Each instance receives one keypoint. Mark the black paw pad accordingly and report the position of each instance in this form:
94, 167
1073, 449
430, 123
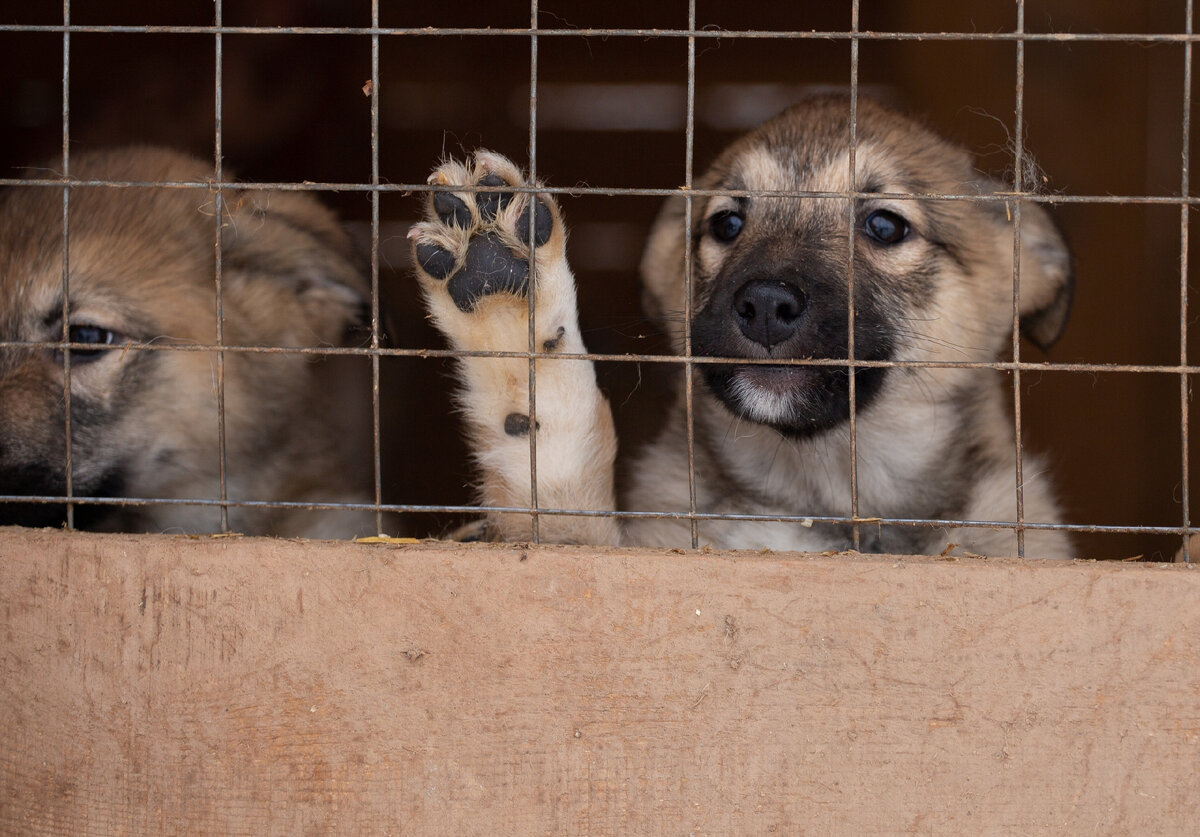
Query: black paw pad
434, 260
451, 209
543, 224
516, 424
490, 203
488, 268
552, 344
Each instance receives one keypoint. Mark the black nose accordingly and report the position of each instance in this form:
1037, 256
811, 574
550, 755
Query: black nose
768, 311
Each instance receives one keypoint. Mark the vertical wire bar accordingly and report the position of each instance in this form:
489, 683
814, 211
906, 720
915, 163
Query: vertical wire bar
1018, 187
688, 369
1184, 187
851, 371
534, 519
377, 456
218, 243
66, 259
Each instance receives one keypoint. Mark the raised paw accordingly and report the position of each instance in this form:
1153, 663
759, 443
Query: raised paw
478, 239
491, 260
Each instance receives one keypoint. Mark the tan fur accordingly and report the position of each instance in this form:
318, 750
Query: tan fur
931, 443
142, 265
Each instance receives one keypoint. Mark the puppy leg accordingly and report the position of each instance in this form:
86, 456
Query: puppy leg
477, 270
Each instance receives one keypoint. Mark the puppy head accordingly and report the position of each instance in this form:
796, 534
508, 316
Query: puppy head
932, 279
142, 262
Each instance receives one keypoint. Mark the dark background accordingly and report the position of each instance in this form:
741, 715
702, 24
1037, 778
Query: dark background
1101, 118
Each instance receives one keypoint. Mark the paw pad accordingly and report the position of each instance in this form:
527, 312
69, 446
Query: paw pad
496, 255
489, 267
490, 203
451, 210
516, 424
552, 343
434, 260
543, 224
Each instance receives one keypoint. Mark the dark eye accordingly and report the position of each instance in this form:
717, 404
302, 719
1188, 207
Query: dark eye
886, 227
726, 226
92, 336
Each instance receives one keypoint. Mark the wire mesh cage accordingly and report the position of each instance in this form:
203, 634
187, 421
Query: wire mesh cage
616, 107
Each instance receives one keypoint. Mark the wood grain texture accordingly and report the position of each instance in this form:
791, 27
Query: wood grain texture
161, 685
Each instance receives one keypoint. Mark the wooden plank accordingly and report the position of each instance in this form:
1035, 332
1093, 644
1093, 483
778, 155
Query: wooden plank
243, 686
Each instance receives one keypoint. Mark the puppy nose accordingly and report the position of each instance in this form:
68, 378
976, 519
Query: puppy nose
768, 311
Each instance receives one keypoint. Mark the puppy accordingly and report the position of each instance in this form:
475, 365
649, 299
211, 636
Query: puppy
140, 372
771, 279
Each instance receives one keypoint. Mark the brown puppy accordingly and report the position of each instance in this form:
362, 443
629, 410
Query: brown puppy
143, 401
771, 281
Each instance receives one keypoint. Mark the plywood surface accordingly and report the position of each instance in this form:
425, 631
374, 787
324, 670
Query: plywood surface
169, 685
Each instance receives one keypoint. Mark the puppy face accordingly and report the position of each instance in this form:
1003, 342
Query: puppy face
771, 275
142, 262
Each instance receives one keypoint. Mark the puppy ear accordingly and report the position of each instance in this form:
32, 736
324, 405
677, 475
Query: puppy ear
1047, 277
662, 260
294, 270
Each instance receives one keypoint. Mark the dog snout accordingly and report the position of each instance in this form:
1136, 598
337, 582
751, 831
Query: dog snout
769, 311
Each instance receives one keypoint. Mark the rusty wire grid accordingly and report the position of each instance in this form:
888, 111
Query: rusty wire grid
377, 187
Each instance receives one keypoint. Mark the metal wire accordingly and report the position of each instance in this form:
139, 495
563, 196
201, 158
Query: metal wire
376, 435
383, 351
852, 372
626, 514
1184, 186
1018, 187
534, 519
66, 260
218, 248
375, 189
688, 279
707, 33
611, 191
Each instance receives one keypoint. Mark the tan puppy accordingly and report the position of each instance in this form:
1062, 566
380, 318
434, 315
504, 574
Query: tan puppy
770, 281
143, 402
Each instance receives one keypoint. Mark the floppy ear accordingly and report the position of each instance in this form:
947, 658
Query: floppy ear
1047, 277
293, 269
662, 261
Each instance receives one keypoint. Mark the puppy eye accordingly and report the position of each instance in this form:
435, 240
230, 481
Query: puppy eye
92, 336
886, 227
726, 226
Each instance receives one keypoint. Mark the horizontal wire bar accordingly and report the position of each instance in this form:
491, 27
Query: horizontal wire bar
713, 33
367, 352
400, 508
604, 191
